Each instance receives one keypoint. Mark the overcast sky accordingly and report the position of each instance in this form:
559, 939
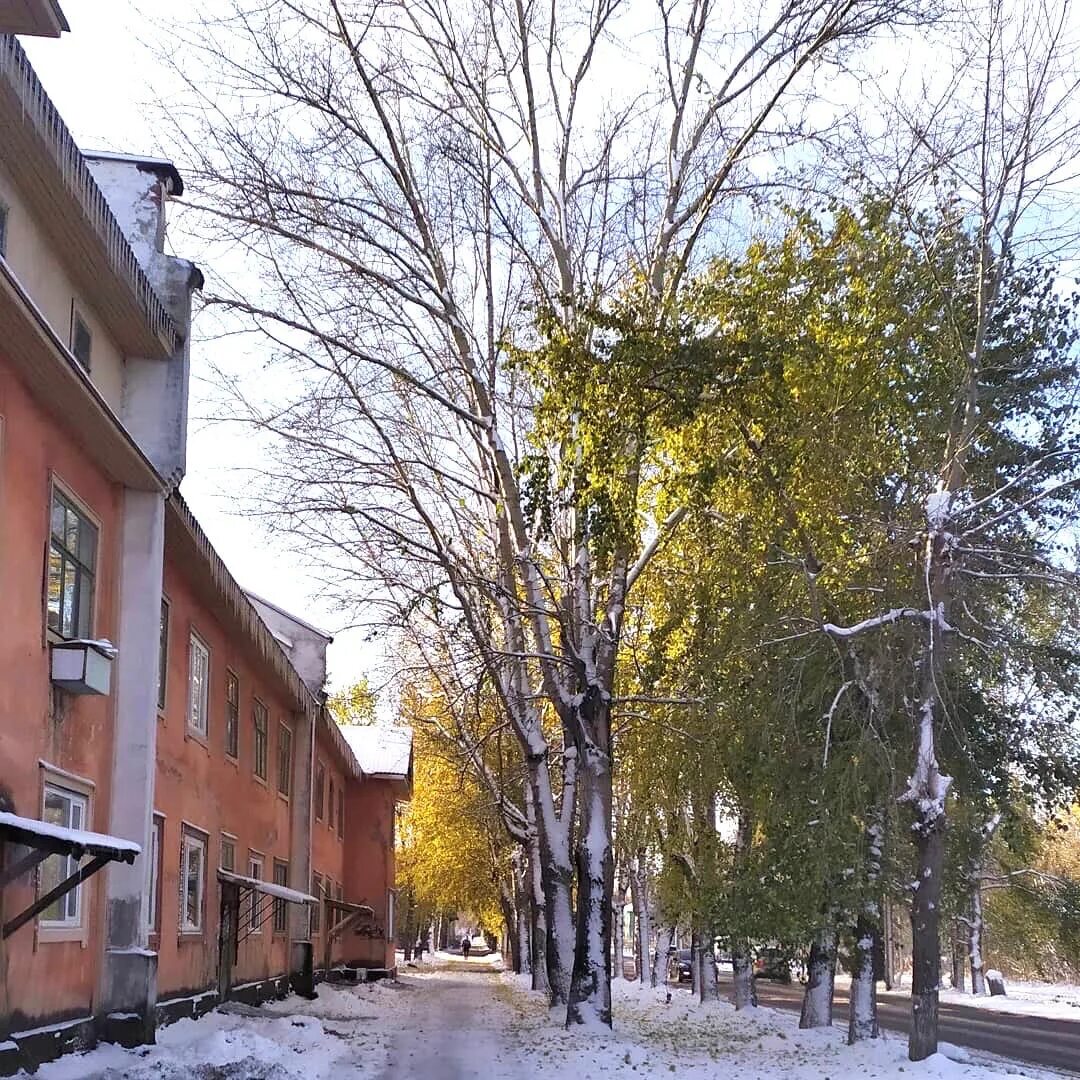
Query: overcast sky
105, 80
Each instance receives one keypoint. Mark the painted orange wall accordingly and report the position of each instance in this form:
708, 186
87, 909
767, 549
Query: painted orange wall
53, 978
327, 845
199, 785
369, 864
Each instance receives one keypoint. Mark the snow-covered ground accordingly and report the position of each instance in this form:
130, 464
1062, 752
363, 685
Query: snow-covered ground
345, 1032
455, 1020
1056, 1001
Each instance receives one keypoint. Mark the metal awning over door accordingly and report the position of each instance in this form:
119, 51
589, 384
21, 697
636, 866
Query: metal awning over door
41, 839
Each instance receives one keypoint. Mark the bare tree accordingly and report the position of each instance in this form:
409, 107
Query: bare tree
410, 181
989, 145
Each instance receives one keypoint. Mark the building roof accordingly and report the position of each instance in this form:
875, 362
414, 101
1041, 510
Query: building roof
384, 753
289, 615
162, 168
192, 541
74, 210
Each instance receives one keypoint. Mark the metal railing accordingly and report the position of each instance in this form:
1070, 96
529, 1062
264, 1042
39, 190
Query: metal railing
37, 107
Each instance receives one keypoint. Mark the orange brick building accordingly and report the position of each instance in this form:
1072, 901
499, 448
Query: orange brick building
180, 818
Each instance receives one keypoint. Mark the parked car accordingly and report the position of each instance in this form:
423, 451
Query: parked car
679, 966
773, 964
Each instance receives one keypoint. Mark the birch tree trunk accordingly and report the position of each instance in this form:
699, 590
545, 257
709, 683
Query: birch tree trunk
522, 908
863, 1018
556, 880
590, 989
744, 992
695, 965
863, 1012
708, 984
664, 940
817, 1007
639, 899
975, 941
538, 922
618, 947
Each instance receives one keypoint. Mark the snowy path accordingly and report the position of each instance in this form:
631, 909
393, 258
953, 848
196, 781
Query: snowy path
464, 1021
453, 1029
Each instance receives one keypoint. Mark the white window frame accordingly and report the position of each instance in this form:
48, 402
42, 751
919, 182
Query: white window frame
198, 706
70, 925
256, 863
153, 873
190, 841
391, 912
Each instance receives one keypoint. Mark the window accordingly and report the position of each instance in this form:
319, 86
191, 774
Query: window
391, 902
3, 231
81, 339
153, 872
284, 759
320, 791
228, 852
261, 722
199, 687
72, 563
316, 909
232, 715
281, 877
163, 654
69, 810
255, 871
341, 812
330, 811
192, 882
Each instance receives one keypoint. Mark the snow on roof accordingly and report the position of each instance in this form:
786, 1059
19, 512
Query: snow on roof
383, 752
95, 843
268, 887
288, 615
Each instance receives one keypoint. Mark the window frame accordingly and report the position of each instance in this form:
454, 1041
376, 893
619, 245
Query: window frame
191, 838
341, 811
255, 859
60, 492
260, 748
164, 631
154, 875
232, 716
284, 759
320, 789
196, 643
78, 318
330, 803
391, 913
279, 920
69, 927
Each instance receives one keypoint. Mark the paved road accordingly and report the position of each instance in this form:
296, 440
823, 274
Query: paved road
1054, 1043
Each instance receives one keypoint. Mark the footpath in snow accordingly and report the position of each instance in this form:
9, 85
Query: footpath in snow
466, 1021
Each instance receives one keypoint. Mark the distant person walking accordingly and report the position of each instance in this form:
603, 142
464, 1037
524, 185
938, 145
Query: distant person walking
466, 945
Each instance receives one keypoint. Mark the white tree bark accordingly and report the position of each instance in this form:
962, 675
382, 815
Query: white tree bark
817, 1008
975, 942
664, 940
639, 898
